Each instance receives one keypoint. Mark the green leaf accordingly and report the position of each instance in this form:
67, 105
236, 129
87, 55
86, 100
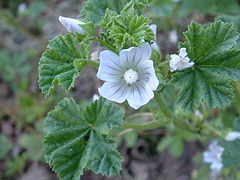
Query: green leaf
124, 31
216, 65
211, 7
93, 14
5, 146
57, 65
33, 144
76, 138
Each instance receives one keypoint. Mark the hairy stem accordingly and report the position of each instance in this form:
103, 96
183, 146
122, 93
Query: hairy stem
145, 126
162, 105
107, 45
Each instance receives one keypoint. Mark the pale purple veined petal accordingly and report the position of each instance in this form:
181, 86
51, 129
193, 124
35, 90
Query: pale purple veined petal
147, 73
110, 69
134, 55
140, 94
72, 25
115, 91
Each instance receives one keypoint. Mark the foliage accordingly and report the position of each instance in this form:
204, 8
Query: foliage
13, 66
124, 30
211, 7
80, 134
58, 64
32, 142
7, 146
211, 50
90, 13
230, 155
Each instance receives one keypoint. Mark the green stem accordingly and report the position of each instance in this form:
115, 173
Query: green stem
93, 63
146, 126
107, 45
162, 104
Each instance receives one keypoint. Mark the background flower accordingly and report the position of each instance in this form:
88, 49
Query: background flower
181, 61
213, 156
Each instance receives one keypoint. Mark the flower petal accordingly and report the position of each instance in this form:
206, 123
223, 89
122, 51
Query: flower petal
153, 27
182, 66
183, 52
72, 25
134, 55
140, 95
147, 73
114, 91
110, 69
232, 136
175, 59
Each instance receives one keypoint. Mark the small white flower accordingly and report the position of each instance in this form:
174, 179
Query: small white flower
181, 61
198, 114
154, 45
232, 136
22, 7
213, 156
173, 37
176, 0
72, 25
95, 97
129, 76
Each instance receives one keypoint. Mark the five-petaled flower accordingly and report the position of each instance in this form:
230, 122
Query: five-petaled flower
128, 76
181, 61
213, 156
72, 25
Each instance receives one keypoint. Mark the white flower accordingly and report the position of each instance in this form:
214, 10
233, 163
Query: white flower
181, 61
129, 76
213, 156
72, 25
154, 45
198, 114
232, 136
173, 37
95, 97
22, 7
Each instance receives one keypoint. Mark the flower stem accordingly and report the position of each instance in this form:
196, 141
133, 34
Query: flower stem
162, 104
146, 126
107, 45
93, 63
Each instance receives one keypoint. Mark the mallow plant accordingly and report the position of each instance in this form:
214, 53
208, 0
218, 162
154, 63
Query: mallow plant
135, 76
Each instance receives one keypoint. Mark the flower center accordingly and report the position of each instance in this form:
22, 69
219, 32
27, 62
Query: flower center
130, 76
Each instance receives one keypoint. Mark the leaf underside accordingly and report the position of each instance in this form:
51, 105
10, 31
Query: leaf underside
76, 138
216, 65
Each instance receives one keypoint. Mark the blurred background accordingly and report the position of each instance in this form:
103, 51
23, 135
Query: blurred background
26, 26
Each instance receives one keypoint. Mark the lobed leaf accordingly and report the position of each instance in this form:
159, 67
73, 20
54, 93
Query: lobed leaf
93, 14
76, 138
216, 65
57, 65
124, 31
